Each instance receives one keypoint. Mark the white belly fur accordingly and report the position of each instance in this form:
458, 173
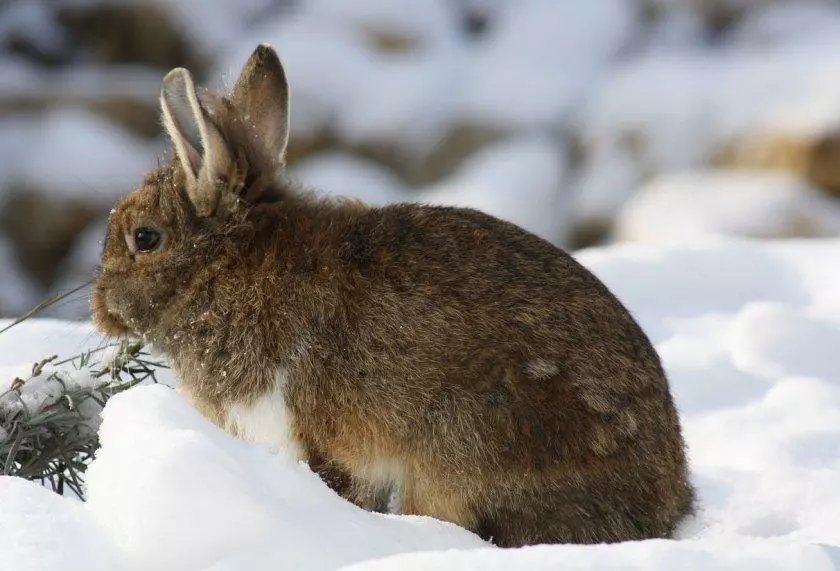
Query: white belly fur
266, 420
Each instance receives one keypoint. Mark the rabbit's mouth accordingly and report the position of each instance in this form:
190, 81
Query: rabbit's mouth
111, 325
106, 321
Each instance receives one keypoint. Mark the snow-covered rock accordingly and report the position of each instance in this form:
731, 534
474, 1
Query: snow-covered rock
696, 206
75, 154
670, 111
541, 57
338, 174
517, 180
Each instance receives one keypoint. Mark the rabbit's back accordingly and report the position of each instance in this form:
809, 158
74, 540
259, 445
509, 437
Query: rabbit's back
479, 355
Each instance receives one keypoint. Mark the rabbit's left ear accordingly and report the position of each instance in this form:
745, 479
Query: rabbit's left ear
261, 97
199, 146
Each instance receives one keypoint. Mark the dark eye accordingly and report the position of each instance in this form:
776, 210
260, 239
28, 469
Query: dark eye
146, 239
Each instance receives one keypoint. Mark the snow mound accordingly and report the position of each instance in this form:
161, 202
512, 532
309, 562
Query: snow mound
340, 174
518, 180
63, 162
656, 555
168, 478
542, 58
55, 534
698, 205
670, 111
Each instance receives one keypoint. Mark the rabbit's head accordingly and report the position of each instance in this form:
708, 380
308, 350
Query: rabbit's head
169, 235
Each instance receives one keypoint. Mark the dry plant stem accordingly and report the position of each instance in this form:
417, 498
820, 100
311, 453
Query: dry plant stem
53, 442
44, 304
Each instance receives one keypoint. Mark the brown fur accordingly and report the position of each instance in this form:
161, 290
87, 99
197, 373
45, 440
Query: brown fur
509, 389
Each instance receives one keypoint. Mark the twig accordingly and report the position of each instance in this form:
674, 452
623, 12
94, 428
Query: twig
43, 305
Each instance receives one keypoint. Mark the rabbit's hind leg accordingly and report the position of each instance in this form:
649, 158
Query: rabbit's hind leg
527, 517
429, 495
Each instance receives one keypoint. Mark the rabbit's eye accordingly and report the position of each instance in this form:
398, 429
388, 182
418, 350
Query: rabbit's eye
146, 239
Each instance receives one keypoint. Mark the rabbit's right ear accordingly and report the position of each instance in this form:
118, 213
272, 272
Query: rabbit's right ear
200, 148
261, 95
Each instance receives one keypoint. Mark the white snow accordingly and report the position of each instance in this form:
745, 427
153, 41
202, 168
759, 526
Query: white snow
696, 206
657, 555
542, 58
56, 533
17, 292
519, 180
36, 339
211, 24
167, 478
71, 153
84, 82
39, 392
748, 333
340, 174
668, 111
528, 73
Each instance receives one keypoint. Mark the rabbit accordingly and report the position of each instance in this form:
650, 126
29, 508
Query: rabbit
426, 360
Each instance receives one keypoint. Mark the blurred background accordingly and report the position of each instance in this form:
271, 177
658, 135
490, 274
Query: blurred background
585, 121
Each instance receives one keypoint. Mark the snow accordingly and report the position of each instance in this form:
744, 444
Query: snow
668, 111
35, 339
39, 392
57, 533
528, 73
746, 555
211, 25
519, 180
79, 154
542, 58
161, 461
17, 292
747, 331
83, 82
341, 174
695, 206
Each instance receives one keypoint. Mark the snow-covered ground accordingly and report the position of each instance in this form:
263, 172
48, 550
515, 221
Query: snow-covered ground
749, 333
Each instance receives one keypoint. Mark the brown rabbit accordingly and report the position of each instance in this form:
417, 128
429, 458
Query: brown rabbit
470, 370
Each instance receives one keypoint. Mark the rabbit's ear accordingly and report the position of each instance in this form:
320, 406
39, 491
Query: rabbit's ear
199, 146
261, 95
